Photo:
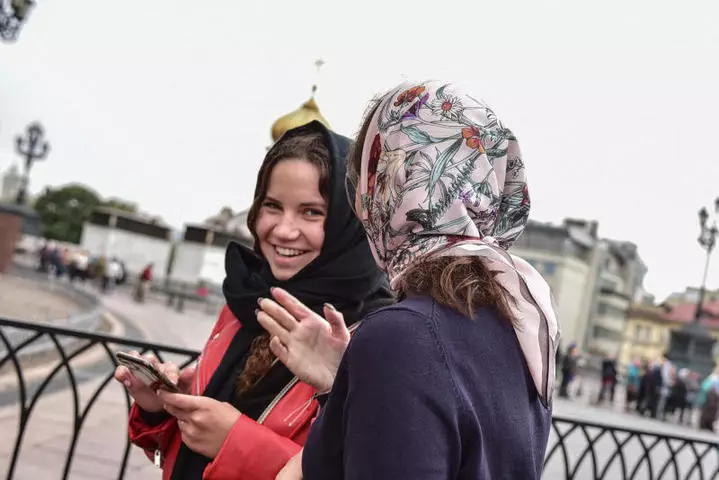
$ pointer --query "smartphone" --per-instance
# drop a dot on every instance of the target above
(146, 372)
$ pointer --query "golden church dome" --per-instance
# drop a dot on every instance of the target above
(302, 116)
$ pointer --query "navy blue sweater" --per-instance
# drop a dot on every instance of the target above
(424, 392)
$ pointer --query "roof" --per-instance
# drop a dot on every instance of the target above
(684, 313)
(139, 217)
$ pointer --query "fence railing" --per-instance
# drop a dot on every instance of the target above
(577, 449)
(88, 360)
(580, 449)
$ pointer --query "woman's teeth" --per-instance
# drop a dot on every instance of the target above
(288, 252)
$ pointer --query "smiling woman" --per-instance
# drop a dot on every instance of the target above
(242, 414)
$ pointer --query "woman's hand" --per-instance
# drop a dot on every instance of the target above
(292, 469)
(204, 422)
(310, 346)
(144, 395)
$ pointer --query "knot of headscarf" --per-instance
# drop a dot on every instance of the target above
(441, 175)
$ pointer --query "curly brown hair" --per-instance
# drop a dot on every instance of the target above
(311, 147)
(463, 283)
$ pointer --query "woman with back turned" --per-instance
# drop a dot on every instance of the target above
(455, 381)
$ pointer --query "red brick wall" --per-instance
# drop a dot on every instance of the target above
(10, 226)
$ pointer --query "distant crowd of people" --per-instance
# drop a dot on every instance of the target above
(655, 388)
(107, 271)
(81, 266)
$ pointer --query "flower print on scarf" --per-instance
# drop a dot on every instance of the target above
(441, 175)
(472, 136)
(446, 107)
(409, 95)
(525, 196)
(373, 163)
(389, 168)
(414, 109)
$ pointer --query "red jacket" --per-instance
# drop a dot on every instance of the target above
(253, 450)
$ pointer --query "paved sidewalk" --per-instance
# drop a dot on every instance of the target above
(46, 442)
(161, 324)
(21, 298)
(104, 431)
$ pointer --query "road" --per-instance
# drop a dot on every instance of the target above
(158, 323)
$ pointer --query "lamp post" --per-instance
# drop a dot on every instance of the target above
(692, 346)
(31, 147)
(707, 240)
(13, 15)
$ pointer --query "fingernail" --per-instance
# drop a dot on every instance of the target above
(259, 301)
(257, 311)
(330, 306)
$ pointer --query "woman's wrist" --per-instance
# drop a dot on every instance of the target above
(325, 386)
(153, 418)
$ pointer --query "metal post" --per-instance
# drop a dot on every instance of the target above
(702, 290)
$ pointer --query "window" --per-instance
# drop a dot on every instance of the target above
(609, 285)
(638, 332)
(603, 333)
(643, 333)
(648, 334)
(610, 310)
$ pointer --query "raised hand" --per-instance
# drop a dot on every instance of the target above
(310, 346)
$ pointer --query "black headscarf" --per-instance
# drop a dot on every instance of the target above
(344, 274)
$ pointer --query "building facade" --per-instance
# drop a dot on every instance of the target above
(691, 295)
(648, 328)
(10, 184)
(200, 255)
(134, 239)
(594, 280)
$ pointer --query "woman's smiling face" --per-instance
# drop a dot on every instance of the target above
(290, 225)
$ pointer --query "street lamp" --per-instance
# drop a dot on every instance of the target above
(707, 240)
(692, 346)
(12, 17)
(32, 147)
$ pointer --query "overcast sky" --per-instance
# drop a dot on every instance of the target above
(169, 103)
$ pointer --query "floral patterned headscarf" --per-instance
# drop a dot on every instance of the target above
(441, 175)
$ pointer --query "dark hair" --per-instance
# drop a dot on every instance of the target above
(462, 283)
(312, 148)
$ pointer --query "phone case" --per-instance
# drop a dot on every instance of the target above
(145, 371)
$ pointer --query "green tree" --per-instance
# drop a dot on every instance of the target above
(63, 211)
(119, 204)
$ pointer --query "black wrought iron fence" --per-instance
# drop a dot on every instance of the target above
(580, 449)
(577, 449)
(88, 361)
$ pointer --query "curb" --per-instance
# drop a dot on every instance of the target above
(37, 373)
